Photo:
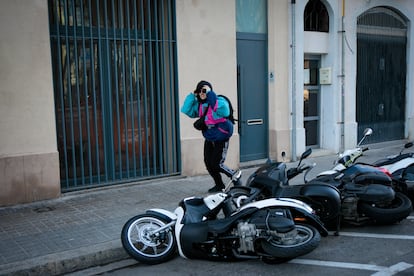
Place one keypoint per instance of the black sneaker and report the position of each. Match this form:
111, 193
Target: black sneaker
215, 189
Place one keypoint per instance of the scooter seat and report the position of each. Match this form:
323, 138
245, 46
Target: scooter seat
392, 160
373, 178
370, 193
222, 225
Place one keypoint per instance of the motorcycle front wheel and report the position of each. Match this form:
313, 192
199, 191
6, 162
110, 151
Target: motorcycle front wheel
305, 241
142, 242
399, 209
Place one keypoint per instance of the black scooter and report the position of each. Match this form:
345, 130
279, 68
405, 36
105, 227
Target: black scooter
272, 180
397, 170
371, 192
401, 168
334, 198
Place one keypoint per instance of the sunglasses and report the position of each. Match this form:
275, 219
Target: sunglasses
202, 90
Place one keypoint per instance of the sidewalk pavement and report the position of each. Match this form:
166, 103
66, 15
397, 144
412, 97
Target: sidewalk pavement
82, 229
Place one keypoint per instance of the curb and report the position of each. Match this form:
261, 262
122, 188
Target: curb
68, 261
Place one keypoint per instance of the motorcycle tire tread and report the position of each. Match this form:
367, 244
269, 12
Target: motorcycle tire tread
388, 216
169, 254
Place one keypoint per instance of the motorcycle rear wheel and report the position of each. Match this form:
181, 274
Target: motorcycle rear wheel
308, 239
139, 242
399, 209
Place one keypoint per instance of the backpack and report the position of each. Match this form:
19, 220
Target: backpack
230, 117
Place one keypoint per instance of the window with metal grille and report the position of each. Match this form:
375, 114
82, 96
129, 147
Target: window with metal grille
114, 72
316, 17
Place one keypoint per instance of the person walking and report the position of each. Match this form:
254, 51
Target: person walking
217, 129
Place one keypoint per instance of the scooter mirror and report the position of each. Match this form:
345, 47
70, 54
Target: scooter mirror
368, 131
306, 153
408, 145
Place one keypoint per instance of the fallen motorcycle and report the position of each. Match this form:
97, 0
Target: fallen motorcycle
401, 168
357, 194
396, 171
273, 230
271, 180
369, 192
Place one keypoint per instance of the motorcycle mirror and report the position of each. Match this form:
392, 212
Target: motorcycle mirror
408, 145
367, 132
304, 155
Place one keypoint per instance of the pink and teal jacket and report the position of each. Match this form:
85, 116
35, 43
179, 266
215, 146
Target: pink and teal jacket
219, 127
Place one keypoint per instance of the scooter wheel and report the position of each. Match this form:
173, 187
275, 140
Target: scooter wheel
307, 239
141, 241
398, 210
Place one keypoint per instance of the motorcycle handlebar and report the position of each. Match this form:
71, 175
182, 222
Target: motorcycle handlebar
305, 167
292, 172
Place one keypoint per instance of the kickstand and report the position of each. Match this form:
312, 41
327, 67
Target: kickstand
338, 226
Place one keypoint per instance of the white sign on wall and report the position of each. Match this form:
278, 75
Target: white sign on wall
325, 75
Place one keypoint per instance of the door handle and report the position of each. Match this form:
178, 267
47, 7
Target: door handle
254, 122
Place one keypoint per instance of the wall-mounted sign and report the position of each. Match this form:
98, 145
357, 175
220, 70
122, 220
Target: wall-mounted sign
325, 75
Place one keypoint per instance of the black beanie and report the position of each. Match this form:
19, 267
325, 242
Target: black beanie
200, 85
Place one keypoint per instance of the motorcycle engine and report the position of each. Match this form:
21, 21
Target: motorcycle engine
350, 208
246, 233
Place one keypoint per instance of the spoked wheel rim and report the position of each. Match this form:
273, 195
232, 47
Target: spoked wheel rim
142, 238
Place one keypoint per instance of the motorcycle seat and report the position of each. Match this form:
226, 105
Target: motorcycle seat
392, 160
373, 178
222, 225
195, 210
370, 193
363, 172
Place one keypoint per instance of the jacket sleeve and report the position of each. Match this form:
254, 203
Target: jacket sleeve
190, 106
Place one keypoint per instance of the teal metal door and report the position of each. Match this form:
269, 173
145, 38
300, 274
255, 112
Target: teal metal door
252, 95
114, 71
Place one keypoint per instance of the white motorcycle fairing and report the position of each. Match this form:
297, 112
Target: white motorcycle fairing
402, 164
280, 202
210, 201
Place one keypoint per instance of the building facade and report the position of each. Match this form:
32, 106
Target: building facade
90, 90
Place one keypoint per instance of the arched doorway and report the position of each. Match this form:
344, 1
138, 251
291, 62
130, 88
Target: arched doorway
381, 73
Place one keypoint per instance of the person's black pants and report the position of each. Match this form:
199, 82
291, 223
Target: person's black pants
214, 156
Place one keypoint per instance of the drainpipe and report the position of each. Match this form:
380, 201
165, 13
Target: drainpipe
343, 79
293, 112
